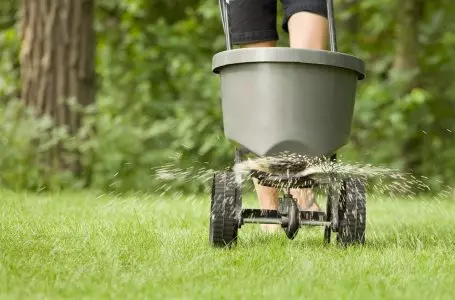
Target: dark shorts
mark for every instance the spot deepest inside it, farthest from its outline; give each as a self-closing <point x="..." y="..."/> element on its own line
<point x="253" y="21"/>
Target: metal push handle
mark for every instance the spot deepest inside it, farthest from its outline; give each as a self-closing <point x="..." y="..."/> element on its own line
<point x="332" y="30"/>
<point x="224" y="11"/>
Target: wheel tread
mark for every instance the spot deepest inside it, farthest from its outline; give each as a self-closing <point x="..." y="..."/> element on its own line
<point x="224" y="221"/>
<point x="352" y="213"/>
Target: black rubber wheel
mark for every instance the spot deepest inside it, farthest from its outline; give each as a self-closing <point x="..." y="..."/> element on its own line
<point x="328" y="228"/>
<point x="225" y="210"/>
<point x="294" y="223"/>
<point x="352" y="213"/>
<point x="332" y="194"/>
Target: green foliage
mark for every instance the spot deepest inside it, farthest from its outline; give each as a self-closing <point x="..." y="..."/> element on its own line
<point x="9" y="49"/>
<point x="407" y="129"/>
<point x="158" y="102"/>
<point x="158" y="92"/>
<point x="25" y="142"/>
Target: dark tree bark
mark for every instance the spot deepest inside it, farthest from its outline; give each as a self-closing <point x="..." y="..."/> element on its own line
<point x="406" y="67"/>
<point x="407" y="32"/>
<point x="350" y="25"/>
<point x="57" y="61"/>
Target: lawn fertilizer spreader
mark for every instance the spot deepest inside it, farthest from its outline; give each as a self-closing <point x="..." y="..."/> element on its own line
<point x="286" y="100"/>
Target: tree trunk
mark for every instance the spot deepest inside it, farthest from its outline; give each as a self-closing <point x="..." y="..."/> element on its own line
<point x="350" y="25"/>
<point x="407" y="43"/>
<point x="57" y="62"/>
<point x="405" y="70"/>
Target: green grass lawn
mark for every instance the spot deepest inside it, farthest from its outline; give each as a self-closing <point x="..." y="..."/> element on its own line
<point x="145" y="247"/>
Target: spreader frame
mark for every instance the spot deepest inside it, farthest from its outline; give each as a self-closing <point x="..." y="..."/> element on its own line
<point x="326" y="218"/>
<point x="271" y="216"/>
<point x="345" y="211"/>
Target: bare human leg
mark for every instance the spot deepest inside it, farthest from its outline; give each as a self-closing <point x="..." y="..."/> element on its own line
<point x="310" y="31"/>
<point x="306" y="30"/>
<point x="268" y="197"/>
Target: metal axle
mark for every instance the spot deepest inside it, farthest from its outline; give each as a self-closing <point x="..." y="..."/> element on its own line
<point x="266" y="216"/>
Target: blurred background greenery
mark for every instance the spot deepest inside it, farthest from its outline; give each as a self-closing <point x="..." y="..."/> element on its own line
<point x="157" y="101"/>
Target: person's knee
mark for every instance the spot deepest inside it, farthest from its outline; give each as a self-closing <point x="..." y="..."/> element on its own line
<point x="308" y="30"/>
<point x="314" y="9"/>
